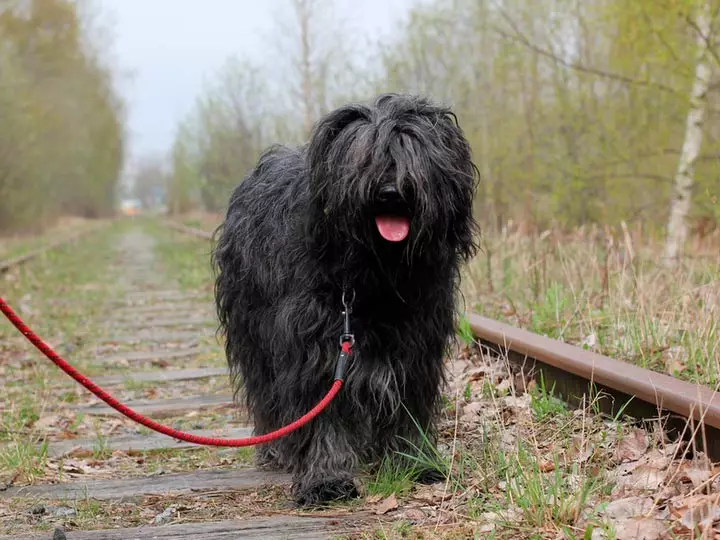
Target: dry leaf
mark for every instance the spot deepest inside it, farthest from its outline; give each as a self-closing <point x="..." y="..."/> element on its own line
<point x="473" y="408"/>
<point x="504" y="385"/>
<point x="695" y="474"/>
<point x="643" y="477"/>
<point x="586" y="454"/>
<point x="48" y="421"/>
<point x="470" y="412"/>
<point x="676" y="359"/>
<point x="523" y="383"/>
<point x="431" y="494"/>
<point x="520" y="402"/>
<point x="639" y="529"/>
<point x="629" y="507"/>
<point x="546" y="465"/>
<point x="413" y="514"/>
<point x="700" y="515"/>
<point x="477" y="374"/>
<point x="632" y="446"/>
<point x="386" y="505"/>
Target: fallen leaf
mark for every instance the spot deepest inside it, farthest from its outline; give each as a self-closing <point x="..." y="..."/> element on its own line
<point x="74" y="466"/>
<point x="639" y="529"/>
<point x="589" y="341"/>
<point x="523" y="383"/>
<point x="629" y="507"/>
<point x="697" y="475"/>
<point x="586" y="453"/>
<point x="48" y="421"/>
<point x="386" y="505"/>
<point x="471" y="412"/>
<point x="700" y="515"/>
<point x="643" y="477"/>
<point x="546" y="465"/>
<point x="632" y="446"/>
<point x="431" y="494"/>
<point x="477" y="374"/>
<point x="413" y="514"/>
<point x="473" y="408"/>
<point x="676" y="359"/>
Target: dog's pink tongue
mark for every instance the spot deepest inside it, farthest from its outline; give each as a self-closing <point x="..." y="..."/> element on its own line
<point x="393" y="228"/>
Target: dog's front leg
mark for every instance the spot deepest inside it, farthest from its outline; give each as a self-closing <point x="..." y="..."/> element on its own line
<point x="327" y="469"/>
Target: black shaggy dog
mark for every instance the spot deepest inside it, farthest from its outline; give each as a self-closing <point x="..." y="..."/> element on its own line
<point x="378" y="204"/>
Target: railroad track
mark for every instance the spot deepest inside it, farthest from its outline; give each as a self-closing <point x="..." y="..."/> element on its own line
<point x="160" y="341"/>
<point x="19" y="260"/>
<point x="577" y="374"/>
<point x="160" y="336"/>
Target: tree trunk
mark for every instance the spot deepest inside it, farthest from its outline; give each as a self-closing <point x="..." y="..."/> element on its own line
<point x="303" y="11"/>
<point x="677" y="228"/>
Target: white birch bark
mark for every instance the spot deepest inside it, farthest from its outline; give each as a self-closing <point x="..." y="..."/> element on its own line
<point x="677" y="228"/>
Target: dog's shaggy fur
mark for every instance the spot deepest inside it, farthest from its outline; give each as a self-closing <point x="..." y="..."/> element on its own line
<point x="301" y="227"/>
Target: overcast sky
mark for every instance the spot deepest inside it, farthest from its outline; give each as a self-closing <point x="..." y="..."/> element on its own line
<point x="172" y="46"/>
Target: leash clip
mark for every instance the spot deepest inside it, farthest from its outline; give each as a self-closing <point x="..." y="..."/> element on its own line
<point x="347" y="336"/>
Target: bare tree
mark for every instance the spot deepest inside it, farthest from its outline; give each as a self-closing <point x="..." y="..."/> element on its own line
<point x="315" y="62"/>
<point x="304" y="13"/>
<point x="150" y="180"/>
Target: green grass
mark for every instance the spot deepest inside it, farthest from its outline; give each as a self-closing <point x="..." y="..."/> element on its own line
<point x="50" y="293"/>
<point x="184" y="258"/>
<point x="544" y="403"/>
<point x="23" y="453"/>
<point x="53" y="286"/>
<point x="20" y="244"/>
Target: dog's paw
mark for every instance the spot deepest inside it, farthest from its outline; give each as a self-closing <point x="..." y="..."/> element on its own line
<point x="267" y="458"/>
<point x="319" y="491"/>
<point x="430" y="475"/>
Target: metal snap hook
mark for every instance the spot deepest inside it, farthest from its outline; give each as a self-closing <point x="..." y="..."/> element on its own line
<point x="347" y="305"/>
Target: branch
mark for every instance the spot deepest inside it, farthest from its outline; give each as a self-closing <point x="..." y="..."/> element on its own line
<point x="575" y="66"/>
<point x="709" y="45"/>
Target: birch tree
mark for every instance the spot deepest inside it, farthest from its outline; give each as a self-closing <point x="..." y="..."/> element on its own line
<point x="677" y="227"/>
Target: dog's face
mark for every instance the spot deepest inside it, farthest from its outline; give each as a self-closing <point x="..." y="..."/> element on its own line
<point x="396" y="174"/>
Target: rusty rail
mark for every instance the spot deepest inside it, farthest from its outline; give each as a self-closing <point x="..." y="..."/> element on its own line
<point x="25" y="257"/>
<point x="578" y="376"/>
<point x="189" y="230"/>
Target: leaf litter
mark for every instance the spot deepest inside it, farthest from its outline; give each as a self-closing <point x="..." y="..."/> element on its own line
<point x="637" y="484"/>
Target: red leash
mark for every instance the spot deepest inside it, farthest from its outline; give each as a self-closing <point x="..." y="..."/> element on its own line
<point x="345" y="352"/>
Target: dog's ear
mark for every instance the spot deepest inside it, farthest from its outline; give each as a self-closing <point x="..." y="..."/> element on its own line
<point x="465" y="176"/>
<point x="326" y="131"/>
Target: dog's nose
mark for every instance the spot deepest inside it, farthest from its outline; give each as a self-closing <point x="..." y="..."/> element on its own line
<point x="389" y="191"/>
